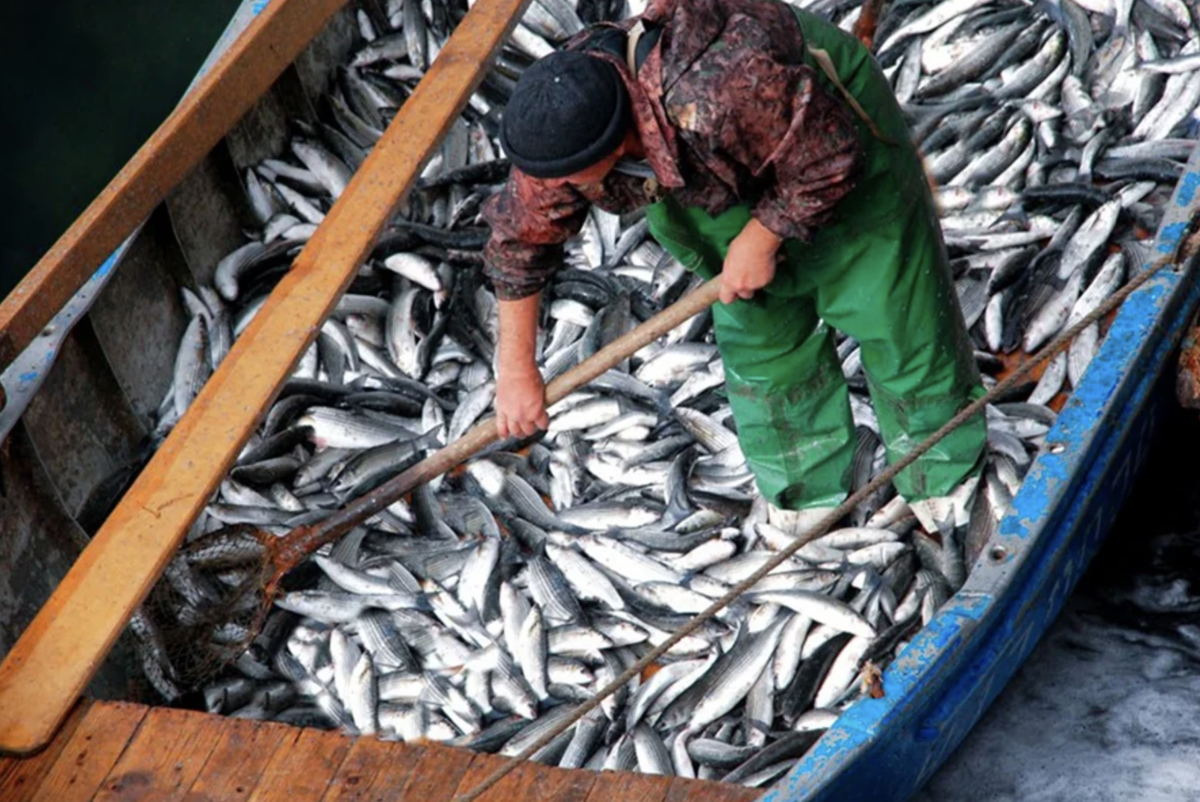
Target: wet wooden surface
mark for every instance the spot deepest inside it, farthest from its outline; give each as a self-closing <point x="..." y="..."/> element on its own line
<point x="114" y="751"/>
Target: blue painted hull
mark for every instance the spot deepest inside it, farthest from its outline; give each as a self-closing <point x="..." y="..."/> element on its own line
<point x="943" y="682"/>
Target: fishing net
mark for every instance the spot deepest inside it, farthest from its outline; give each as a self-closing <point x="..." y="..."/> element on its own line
<point x="205" y="611"/>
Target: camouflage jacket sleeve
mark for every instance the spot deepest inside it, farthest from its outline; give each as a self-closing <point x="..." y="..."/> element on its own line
<point x="747" y="106"/>
<point x="530" y="222"/>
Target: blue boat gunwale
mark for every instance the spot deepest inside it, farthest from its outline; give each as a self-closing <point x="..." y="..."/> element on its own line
<point x="1102" y="416"/>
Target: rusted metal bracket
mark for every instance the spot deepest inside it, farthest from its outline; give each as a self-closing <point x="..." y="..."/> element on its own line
<point x="1187" y="375"/>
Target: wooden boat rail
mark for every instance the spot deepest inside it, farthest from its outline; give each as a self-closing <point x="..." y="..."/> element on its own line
<point x="61" y="650"/>
<point x="120" y="751"/>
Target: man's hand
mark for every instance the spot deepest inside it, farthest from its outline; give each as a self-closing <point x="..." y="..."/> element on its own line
<point x="750" y="262"/>
<point x="520" y="402"/>
<point x="520" y="391"/>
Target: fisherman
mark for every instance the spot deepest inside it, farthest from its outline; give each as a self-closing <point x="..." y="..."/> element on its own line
<point x="778" y="158"/>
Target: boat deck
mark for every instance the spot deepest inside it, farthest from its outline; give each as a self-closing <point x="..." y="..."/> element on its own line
<point x="124" y="751"/>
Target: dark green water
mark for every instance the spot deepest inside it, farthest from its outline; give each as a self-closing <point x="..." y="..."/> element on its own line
<point x="82" y="86"/>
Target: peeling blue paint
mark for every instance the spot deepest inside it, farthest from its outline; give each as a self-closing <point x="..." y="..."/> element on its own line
<point x="1169" y="236"/>
<point x="258" y="6"/>
<point x="108" y="264"/>
<point x="1187" y="189"/>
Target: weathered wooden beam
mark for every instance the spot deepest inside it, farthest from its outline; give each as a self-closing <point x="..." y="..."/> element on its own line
<point x="55" y="657"/>
<point x="222" y="96"/>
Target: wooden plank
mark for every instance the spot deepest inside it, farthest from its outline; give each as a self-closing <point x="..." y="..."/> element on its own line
<point x="56" y="655"/>
<point x="372" y="770"/>
<point x="208" y="212"/>
<point x="326" y="54"/>
<point x="141" y="348"/>
<point x="567" y="785"/>
<point x="206" y="224"/>
<point x="515" y="785"/>
<point x="437" y="776"/>
<point x="163" y="759"/>
<point x="261" y="133"/>
<point x="39" y="541"/>
<point x="528" y="782"/>
<point x="683" y="790"/>
<point x="239" y="758"/>
<point x="82" y="424"/>
<point x="91" y="752"/>
<point x="301" y="771"/>
<point x="239" y="77"/>
<point x="627" y="786"/>
<point x="38" y="538"/>
<point x="21" y="776"/>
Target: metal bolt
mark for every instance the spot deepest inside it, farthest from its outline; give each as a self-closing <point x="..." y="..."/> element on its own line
<point x="998" y="554"/>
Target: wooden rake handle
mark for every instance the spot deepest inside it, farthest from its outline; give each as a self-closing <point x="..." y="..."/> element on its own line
<point x="304" y="540"/>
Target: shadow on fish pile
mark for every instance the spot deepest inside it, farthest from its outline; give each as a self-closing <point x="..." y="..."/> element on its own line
<point x="478" y="612"/>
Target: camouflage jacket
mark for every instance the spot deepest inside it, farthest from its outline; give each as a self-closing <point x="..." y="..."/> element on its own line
<point x="727" y="113"/>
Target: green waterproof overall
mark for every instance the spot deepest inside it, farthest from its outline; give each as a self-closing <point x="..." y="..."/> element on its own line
<point x="879" y="274"/>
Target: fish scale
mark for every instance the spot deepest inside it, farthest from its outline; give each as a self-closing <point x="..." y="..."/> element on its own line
<point x="490" y="606"/>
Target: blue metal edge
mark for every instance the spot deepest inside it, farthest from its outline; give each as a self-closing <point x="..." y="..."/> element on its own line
<point x="945" y="679"/>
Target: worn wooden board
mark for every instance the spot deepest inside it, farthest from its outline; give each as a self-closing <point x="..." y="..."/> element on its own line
<point x="242" y="74"/>
<point x="517" y="784"/>
<point x="317" y="64"/>
<point x="140" y="348"/>
<point x="683" y="790"/>
<point x="263" y="132"/>
<point x="529" y="782"/>
<point x="66" y="642"/>
<point x="111" y="752"/>
<point x="239" y="758"/>
<point x="208" y="211"/>
<point x="91" y="752"/>
<point x="38" y="538"/>
<point x="163" y="758"/>
<point x="82" y="423"/>
<point x="20" y="777"/>
<point x="372" y="770"/>
<point x="561" y="784"/>
<point x="438" y="774"/>
<point x="39" y="541"/>
<point x="628" y="787"/>
<point x="301" y="771"/>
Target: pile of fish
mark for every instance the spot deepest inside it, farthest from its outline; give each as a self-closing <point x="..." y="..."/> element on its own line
<point x="479" y="612"/>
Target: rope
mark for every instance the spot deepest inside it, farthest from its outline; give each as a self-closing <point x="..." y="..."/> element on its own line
<point x="1049" y="350"/>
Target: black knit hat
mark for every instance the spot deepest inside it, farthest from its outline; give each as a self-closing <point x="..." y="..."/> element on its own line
<point x="567" y="112"/>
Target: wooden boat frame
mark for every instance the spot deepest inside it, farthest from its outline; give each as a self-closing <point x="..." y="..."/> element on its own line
<point x="935" y="690"/>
